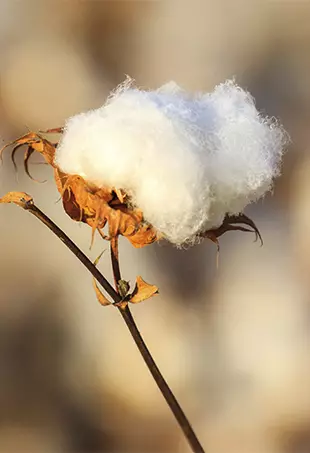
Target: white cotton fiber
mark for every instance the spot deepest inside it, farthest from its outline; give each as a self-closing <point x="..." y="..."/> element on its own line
<point x="186" y="160"/>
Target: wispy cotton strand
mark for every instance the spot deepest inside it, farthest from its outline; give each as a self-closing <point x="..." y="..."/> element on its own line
<point x="185" y="159"/>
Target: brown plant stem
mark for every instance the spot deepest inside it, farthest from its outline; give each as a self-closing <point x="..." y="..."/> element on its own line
<point x="154" y="370"/>
<point x="115" y="261"/>
<point x="176" y="409"/>
<point x="161" y="382"/>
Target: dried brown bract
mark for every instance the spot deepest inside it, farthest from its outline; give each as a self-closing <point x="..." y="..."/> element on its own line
<point x="84" y="202"/>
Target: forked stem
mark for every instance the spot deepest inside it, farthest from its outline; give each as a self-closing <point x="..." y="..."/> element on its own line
<point x="127" y="316"/>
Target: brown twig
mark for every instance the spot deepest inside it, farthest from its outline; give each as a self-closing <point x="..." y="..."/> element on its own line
<point x="161" y="383"/>
<point x="28" y="204"/>
<point x="115" y="262"/>
<point x="154" y="370"/>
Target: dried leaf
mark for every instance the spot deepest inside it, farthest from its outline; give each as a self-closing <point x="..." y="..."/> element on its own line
<point x="142" y="291"/>
<point x="13" y="155"/>
<point x="120" y="195"/>
<point x="37" y="143"/>
<point x="98" y="258"/>
<point x="54" y="130"/>
<point x="18" y="198"/>
<point x="27" y="156"/>
<point x="145" y="235"/>
<point x="233" y="223"/>
<point x="100" y="296"/>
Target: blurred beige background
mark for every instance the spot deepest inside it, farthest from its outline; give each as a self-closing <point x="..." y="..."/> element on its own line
<point x="234" y="343"/>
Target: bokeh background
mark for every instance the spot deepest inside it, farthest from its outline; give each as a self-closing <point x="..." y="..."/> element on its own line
<point x="233" y="342"/>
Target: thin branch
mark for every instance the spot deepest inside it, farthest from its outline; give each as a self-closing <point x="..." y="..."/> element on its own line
<point x="161" y="383"/>
<point x="115" y="262"/>
<point x="28" y="204"/>
<point x="148" y="359"/>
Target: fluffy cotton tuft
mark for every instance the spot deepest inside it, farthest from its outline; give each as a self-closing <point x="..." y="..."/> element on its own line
<point x="186" y="160"/>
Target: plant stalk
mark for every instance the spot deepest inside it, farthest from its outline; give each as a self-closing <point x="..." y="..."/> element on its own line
<point x="126" y="315"/>
<point x="148" y="359"/>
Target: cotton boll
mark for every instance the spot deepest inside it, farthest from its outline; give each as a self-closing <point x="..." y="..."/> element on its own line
<point x="186" y="160"/>
<point x="248" y="149"/>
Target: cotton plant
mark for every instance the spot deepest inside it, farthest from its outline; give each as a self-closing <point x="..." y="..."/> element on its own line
<point x="158" y="165"/>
